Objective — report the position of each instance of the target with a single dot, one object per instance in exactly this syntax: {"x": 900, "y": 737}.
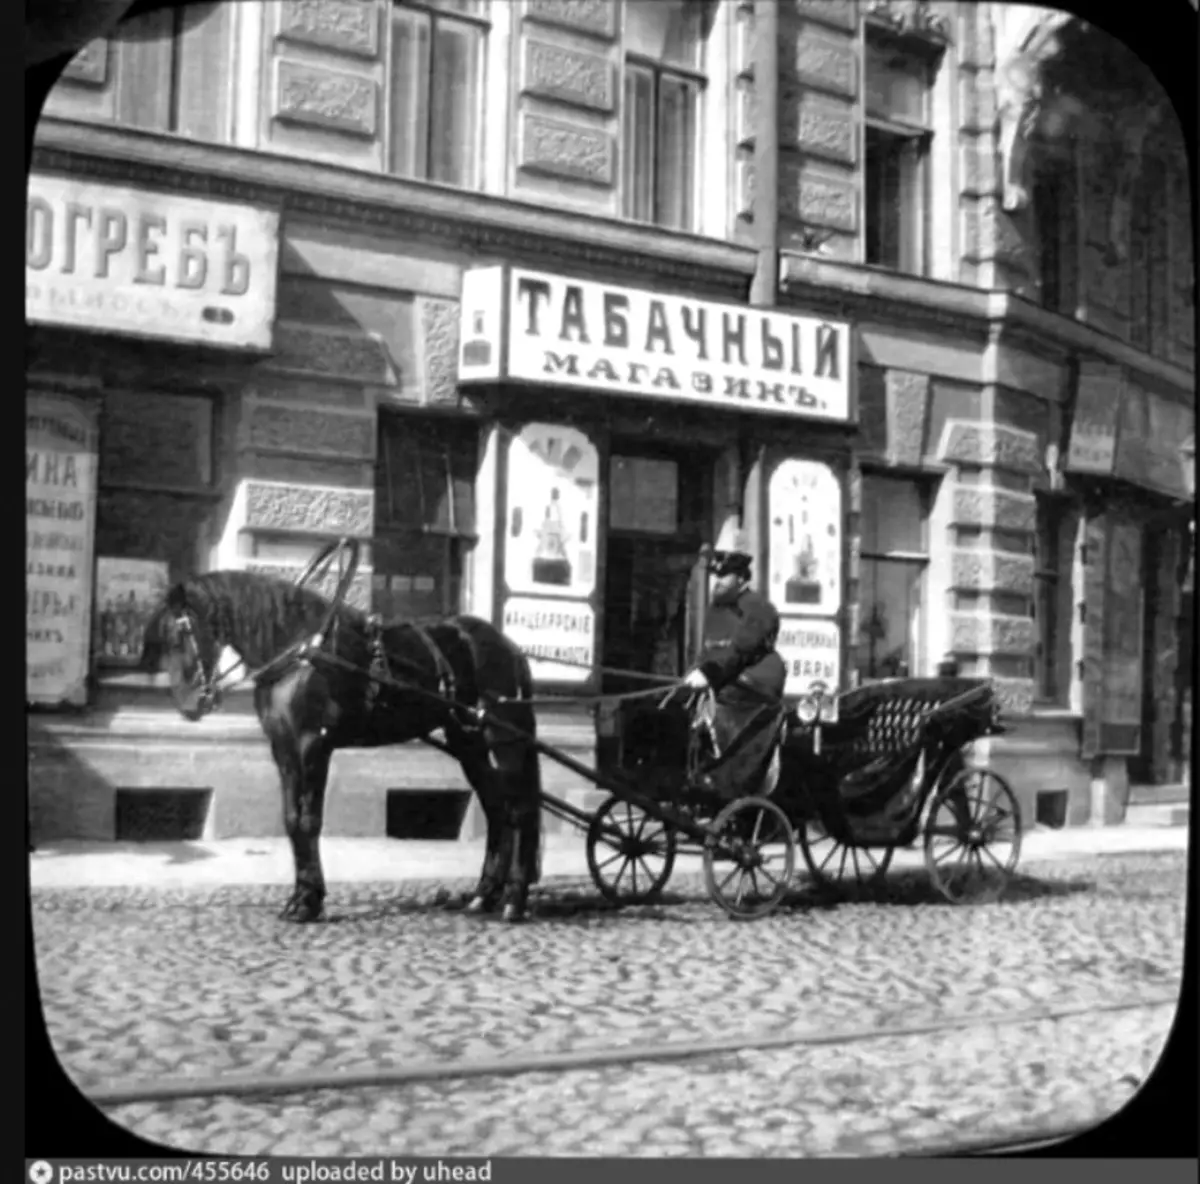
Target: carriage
{"x": 890, "y": 770}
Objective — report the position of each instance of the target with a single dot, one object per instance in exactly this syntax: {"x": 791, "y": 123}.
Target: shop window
{"x": 664, "y": 81}
{"x": 424, "y": 515}
{"x": 897, "y": 148}
{"x": 154, "y": 512}
{"x": 436, "y": 91}
{"x": 1055, "y": 206}
{"x": 893, "y": 558}
{"x": 1048, "y": 588}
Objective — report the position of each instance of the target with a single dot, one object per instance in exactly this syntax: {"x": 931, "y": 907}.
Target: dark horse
{"x": 312, "y": 703}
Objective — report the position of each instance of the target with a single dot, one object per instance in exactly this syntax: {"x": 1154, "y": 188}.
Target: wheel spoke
{"x": 988, "y": 852}
{"x": 758, "y": 821}
{"x": 741, "y": 888}
{"x": 611, "y": 859}
{"x": 938, "y": 859}
{"x": 842, "y": 863}
{"x": 617, "y": 881}
{"x": 832, "y": 852}
{"x": 633, "y": 866}
{"x": 734, "y": 872}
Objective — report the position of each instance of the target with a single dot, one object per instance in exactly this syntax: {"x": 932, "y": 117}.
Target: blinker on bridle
{"x": 203, "y": 679}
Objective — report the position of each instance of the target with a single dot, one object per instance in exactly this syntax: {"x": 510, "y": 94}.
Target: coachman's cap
{"x": 731, "y": 555}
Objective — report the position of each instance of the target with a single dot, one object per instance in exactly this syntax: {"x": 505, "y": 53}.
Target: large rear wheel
{"x": 973, "y": 837}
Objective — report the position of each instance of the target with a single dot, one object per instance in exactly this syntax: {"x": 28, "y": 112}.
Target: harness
{"x": 380, "y": 667}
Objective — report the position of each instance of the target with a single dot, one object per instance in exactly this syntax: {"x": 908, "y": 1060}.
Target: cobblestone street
{"x": 142, "y": 983}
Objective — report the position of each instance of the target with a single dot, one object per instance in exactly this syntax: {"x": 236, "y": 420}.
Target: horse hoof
{"x": 477, "y": 906}
{"x": 513, "y": 913}
{"x": 301, "y": 912}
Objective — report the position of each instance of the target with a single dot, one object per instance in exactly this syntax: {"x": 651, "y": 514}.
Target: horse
{"x": 461, "y": 675}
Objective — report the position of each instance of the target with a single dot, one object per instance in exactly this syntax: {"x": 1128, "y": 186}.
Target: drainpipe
{"x": 764, "y": 287}
{"x": 765, "y": 210}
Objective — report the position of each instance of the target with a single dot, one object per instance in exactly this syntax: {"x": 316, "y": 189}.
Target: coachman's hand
{"x": 696, "y": 681}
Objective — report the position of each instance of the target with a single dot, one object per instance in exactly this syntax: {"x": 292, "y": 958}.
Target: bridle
{"x": 204, "y": 678}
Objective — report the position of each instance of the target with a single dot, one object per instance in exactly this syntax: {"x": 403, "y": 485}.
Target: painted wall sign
{"x": 127, "y": 593}
{"x": 540, "y": 328}
{"x": 552, "y": 502}
{"x": 1093, "y": 441}
{"x": 60, "y": 515}
{"x": 558, "y": 636}
{"x": 149, "y": 264}
{"x": 811, "y": 651}
{"x": 805, "y": 538}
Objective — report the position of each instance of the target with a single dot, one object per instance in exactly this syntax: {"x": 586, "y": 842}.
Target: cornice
{"x": 868, "y": 294}
{"x": 325, "y": 192}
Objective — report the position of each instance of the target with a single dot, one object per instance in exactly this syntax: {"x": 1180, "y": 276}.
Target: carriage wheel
{"x": 749, "y": 860}
{"x": 630, "y": 853}
{"x": 832, "y": 863}
{"x": 973, "y": 837}
{"x": 345, "y": 551}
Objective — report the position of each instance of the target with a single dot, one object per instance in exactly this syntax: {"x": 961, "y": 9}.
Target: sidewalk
{"x": 79, "y": 864}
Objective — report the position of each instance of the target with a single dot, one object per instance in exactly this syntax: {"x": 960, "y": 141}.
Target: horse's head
{"x": 181, "y": 639}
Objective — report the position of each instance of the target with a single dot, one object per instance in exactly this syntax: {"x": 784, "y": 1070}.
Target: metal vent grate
{"x": 426, "y": 814}
{"x": 161, "y": 815}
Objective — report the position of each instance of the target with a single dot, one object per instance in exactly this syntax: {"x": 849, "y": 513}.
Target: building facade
{"x": 481, "y": 285}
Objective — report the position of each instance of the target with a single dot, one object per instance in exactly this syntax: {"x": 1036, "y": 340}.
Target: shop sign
{"x": 811, "y": 651}
{"x": 1152, "y": 429}
{"x": 128, "y": 591}
{"x": 552, "y": 499}
{"x": 1093, "y": 442}
{"x": 805, "y": 538}
{"x": 60, "y": 516}
{"x": 537, "y": 328}
{"x": 157, "y": 265}
{"x": 557, "y": 636}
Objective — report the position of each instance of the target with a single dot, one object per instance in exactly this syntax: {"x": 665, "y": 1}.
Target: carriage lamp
{"x": 808, "y": 708}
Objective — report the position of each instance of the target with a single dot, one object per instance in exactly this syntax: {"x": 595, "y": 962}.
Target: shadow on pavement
{"x": 909, "y": 888}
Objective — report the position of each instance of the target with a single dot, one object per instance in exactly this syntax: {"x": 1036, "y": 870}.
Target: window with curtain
{"x": 436, "y": 91}
{"x": 897, "y": 141}
{"x": 664, "y": 81}
{"x": 1047, "y": 544}
{"x": 892, "y": 561}
{"x": 424, "y": 514}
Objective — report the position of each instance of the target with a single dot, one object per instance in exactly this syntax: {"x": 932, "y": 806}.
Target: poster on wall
{"x": 811, "y": 651}
{"x": 805, "y": 558}
{"x": 60, "y": 515}
{"x": 127, "y": 593}
{"x": 1093, "y": 440}
{"x": 557, "y": 636}
{"x": 1121, "y": 716}
{"x": 1095, "y": 575}
{"x": 550, "y": 529}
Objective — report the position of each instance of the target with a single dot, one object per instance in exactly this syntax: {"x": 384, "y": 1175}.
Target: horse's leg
{"x": 520, "y": 775}
{"x": 478, "y": 770}
{"x": 303, "y": 770}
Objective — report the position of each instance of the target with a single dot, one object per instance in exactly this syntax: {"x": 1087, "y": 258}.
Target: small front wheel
{"x": 630, "y": 853}
{"x": 827, "y": 858}
{"x": 973, "y": 837}
{"x": 749, "y": 858}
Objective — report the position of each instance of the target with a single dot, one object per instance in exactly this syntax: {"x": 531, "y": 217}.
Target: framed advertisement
{"x": 551, "y": 512}
{"x": 804, "y": 568}
{"x": 127, "y": 593}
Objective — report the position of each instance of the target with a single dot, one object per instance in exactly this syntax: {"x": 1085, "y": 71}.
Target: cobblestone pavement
{"x": 139, "y": 983}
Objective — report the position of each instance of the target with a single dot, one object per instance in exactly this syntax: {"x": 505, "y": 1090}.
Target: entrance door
{"x": 658, "y": 511}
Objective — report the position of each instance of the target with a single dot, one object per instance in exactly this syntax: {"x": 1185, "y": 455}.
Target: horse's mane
{"x": 258, "y": 614}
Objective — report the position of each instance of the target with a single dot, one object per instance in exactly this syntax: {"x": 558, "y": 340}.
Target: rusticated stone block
{"x": 819, "y": 199}
{"x": 991, "y": 571}
{"x": 566, "y": 150}
{"x": 301, "y": 429}
{"x": 822, "y": 127}
{"x": 980, "y": 174}
{"x": 324, "y": 351}
{"x": 826, "y": 62}
{"x": 872, "y": 410}
{"x": 358, "y": 595}
{"x": 976, "y": 103}
{"x": 598, "y": 17}
{"x": 907, "y": 414}
{"x": 990, "y": 444}
{"x": 326, "y": 98}
{"x": 841, "y": 14}
{"x": 440, "y": 332}
{"x": 351, "y": 26}
{"x": 310, "y": 509}
{"x": 1015, "y": 695}
{"x": 274, "y": 467}
{"x": 976, "y": 45}
{"x": 991, "y": 633}
{"x": 585, "y": 79}
{"x": 90, "y": 64}
{"x": 994, "y": 509}
{"x": 989, "y": 233}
